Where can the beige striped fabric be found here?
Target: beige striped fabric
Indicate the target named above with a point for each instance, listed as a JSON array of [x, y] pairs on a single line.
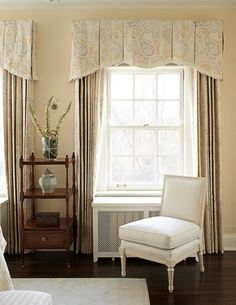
[[209, 158], [19, 141], [21, 297], [88, 121], [5, 278]]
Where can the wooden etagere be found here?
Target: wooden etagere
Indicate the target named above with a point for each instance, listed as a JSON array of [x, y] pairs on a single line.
[[59, 237]]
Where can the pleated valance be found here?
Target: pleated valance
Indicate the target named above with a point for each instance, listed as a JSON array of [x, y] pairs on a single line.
[[17, 52], [146, 44]]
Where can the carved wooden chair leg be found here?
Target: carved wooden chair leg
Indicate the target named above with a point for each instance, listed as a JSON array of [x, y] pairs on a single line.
[[123, 261], [171, 278], [200, 257]]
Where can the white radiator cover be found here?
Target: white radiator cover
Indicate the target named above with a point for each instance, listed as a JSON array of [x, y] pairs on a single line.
[[109, 213]]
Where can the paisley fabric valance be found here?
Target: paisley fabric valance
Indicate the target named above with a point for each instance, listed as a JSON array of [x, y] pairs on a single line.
[[146, 44], [17, 52]]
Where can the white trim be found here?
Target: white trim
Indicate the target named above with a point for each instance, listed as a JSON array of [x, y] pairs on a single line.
[[84, 4], [128, 194], [3, 201], [128, 202], [105, 169], [229, 241]]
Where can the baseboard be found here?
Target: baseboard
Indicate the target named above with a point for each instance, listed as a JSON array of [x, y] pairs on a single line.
[[229, 240]]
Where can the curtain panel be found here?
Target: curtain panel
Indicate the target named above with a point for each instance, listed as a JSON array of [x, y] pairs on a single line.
[[17, 59], [18, 141], [146, 44], [88, 120], [209, 158], [17, 48]]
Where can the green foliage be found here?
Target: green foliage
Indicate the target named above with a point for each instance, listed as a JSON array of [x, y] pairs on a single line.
[[47, 131]]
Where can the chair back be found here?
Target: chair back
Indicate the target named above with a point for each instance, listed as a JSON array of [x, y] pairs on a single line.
[[184, 198]]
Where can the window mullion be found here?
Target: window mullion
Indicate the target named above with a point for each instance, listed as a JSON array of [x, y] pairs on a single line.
[[165, 117]]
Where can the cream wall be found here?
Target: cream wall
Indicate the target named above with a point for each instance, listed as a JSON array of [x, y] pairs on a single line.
[[53, 63]]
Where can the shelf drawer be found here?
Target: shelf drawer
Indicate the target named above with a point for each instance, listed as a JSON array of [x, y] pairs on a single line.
[[45, 239]]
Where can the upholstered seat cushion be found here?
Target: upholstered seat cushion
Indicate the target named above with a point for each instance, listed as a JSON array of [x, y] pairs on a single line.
[[161, 232], [21, 297]]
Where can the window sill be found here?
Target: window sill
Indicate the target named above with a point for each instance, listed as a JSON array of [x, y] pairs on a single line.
[[128, 202], [3, 200], [128, 194]]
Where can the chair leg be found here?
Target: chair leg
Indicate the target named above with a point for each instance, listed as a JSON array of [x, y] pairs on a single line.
[[123, 261], [171, 271], [200, 257]]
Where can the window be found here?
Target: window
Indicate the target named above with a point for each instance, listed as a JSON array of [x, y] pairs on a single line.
[[3, 188], [146, 128]]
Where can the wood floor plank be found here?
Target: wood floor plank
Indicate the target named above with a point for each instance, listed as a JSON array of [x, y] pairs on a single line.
[[216, 286]]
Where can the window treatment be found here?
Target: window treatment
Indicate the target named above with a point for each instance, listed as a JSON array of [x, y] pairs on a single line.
[[146, 44], [88, 114], [18, 141], [209, 158], [17, 48], [17, 57]]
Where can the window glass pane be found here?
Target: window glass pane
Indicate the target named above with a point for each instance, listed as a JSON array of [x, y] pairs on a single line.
[[122, 142], [169, 142], [169, 113], [144, 170], [121, 113], [145, 127], [144, 142], [168, 166], [168, 86], [121, 86], [122, 170], [145, 112], [145, 86]]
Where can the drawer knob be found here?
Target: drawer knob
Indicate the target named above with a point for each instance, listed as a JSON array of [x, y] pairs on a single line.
[[44, 238]]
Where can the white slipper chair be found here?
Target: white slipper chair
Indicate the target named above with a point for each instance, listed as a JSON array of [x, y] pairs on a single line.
[[174, 235], [9, 296]]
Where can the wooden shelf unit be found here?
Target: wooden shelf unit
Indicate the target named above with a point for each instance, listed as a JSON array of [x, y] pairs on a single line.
[[58, 237]]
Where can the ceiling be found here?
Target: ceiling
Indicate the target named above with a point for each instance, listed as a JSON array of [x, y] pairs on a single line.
[[111, 3]]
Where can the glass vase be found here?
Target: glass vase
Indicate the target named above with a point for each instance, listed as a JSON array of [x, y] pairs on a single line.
[[50, 148]]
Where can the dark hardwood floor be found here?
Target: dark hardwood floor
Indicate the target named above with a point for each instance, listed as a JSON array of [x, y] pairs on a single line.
[[216, 286]]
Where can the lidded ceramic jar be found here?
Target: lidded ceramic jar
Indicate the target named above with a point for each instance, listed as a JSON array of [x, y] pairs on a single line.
[[47, 182]]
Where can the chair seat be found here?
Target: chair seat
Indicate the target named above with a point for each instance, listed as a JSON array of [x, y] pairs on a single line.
[[160, 232], [21, 297]]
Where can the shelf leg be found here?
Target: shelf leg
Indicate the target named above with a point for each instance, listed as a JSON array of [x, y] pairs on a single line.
[[22, 258], [68, 258], [75, 234]]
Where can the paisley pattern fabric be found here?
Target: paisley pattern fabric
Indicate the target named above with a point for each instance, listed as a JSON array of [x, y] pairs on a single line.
[[17, 48], [146, 44]]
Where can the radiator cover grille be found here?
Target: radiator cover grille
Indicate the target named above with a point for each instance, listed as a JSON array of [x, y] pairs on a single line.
[[108, 228]]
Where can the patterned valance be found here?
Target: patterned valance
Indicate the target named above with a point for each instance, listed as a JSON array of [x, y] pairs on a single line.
[[17, 52], [146, 44]]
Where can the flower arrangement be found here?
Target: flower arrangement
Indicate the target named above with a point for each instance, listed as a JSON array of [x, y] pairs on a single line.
[[47, 131]]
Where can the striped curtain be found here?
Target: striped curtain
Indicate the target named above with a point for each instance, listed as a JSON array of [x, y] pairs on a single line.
[[88, 121], [209, 158], [18, 141]]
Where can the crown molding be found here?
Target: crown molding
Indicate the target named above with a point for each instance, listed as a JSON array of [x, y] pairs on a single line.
[[110, 4]]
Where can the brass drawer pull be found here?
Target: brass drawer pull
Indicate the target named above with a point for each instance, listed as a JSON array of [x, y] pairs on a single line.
[[44, 238]]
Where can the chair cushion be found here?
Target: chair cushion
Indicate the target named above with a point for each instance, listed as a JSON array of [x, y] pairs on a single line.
[[161, 232], [22, 297]]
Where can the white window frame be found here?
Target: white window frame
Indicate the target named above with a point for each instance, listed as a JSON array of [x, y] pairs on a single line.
[[104, 172]]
